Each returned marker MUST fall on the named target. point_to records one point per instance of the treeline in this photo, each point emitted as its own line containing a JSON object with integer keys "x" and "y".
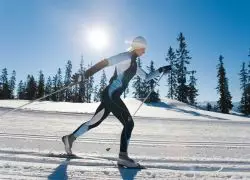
{"x": 181, "y": 83}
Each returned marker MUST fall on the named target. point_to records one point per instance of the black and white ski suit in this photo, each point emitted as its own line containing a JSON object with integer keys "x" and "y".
{"x": 126, "y": 68}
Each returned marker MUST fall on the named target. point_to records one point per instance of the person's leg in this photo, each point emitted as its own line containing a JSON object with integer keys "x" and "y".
{"x": 100, "y": 114}
{"x": 120, "y": 110}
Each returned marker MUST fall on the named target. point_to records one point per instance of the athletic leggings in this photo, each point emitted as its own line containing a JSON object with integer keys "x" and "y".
{"x": 115, "y": 105}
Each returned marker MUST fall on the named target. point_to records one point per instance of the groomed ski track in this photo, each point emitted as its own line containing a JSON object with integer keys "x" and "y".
{"x": 170, "y": 148}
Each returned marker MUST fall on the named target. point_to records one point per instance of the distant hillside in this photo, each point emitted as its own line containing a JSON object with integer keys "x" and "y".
{"x": 213, "y": 103}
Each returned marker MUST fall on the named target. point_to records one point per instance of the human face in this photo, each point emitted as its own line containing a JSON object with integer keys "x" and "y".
{"x": 139, "y": 52}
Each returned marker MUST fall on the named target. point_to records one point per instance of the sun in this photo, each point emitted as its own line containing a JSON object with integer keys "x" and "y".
{"x": 97, "y": 38}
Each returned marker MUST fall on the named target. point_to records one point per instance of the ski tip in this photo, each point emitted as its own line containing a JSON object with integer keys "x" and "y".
{"x": 63, "y": 155}
{"x": 126, "y": 167}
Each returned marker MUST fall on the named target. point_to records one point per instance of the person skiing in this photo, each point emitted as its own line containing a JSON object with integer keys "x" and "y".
{"x": 126, "y": 68}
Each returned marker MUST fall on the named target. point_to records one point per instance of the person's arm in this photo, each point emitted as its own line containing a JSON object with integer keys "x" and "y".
{"x": 100, "y": 65}
{"x": 154, "y": 74}
{"x": 97, "y": 67}
{"x": 78, "y": 77}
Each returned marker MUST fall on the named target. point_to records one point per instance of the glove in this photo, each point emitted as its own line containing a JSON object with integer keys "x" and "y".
{"x": 76, "y": 78}
{"x": 165, "y": 69}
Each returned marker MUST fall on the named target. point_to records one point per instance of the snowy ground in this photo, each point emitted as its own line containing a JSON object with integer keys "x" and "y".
{"x": 202, "y": 146}
{"x": 166, "y": 109}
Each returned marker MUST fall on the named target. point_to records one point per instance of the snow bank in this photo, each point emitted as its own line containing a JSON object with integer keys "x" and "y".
{"x": 166, "y": 109}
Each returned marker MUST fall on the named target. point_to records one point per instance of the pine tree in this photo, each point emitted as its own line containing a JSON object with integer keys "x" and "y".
{"x": 225, "y": 101}
{"x": 67, "y": 81}
{"x": 54, "y": 97}
{"x": 145, "y": 89}
{"x": 31, "y": 88}
{"x": 75, "y": 94}
{"x": 154, "y": 96}
{"x": 248, "y": 76}
{"x": 103, "y": 83}
{"x": 60, "y": 85}
{"x": 182, "y": 55}
{"x": 192, "y": 91}
{"x": 172, "y": 76}
{"x": 41, "y": 85}
{"x": 96, "y": 94}
{"x": 248, "y": 99}
{"x": 90, "y": 88}
{"x": 137, "y": 83}
{"x": 1, "y": 89}
{"x": 243, "y": 78}
{"x": 21, "y": 90}
{"x": 80, "y": 91}
{"x": 12, "y": 84}
{"x": 5, "y": 84}
{"x": 48, "y": 88}
{"x": 209, "y": 107}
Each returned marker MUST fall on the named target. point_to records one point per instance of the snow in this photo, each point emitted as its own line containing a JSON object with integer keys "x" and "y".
{"x": 166, "y": 109}
{"x": 174, "y": 140}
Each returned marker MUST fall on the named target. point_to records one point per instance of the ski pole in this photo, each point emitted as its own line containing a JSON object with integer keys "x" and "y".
{"x": 59, "y": 90}
{"x": 148, "y": 95}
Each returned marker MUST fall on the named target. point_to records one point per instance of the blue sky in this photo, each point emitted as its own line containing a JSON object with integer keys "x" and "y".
{"x": 43, "y": 35}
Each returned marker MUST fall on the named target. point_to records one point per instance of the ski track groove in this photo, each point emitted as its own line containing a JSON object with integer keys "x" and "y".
{"x": 106, "y": 162}
{"x": 133, "y": 141}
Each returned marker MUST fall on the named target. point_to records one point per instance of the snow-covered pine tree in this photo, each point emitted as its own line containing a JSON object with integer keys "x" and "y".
{"x": 41, "y": 85}
{"x": 182, "y": 57}
{"x": 172, "y": 76}
{"x": 225, "y": 100}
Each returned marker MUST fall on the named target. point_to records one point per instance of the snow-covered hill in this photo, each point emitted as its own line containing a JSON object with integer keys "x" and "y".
{"x": 213, "y": 103}
{"x": 166, "y": 109}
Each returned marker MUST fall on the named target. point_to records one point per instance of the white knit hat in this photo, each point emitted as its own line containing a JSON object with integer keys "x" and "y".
{"x": 138, "y": 43}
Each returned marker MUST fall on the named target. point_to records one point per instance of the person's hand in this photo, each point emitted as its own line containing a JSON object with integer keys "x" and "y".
{"x": 76, "y": 78}
{"x": 165, "y": 69}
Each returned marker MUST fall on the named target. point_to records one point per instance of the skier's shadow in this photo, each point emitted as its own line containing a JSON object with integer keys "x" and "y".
{"x": 60, "y": 172}
{"x": 128, "y": 174}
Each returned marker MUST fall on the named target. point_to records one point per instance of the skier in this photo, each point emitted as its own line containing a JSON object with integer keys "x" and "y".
{"x": 126, "y": 68}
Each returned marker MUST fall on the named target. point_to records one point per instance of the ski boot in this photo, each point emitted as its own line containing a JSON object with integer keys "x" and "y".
{"x": 68, "y": 141}
{"x": 126, "y": 162}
